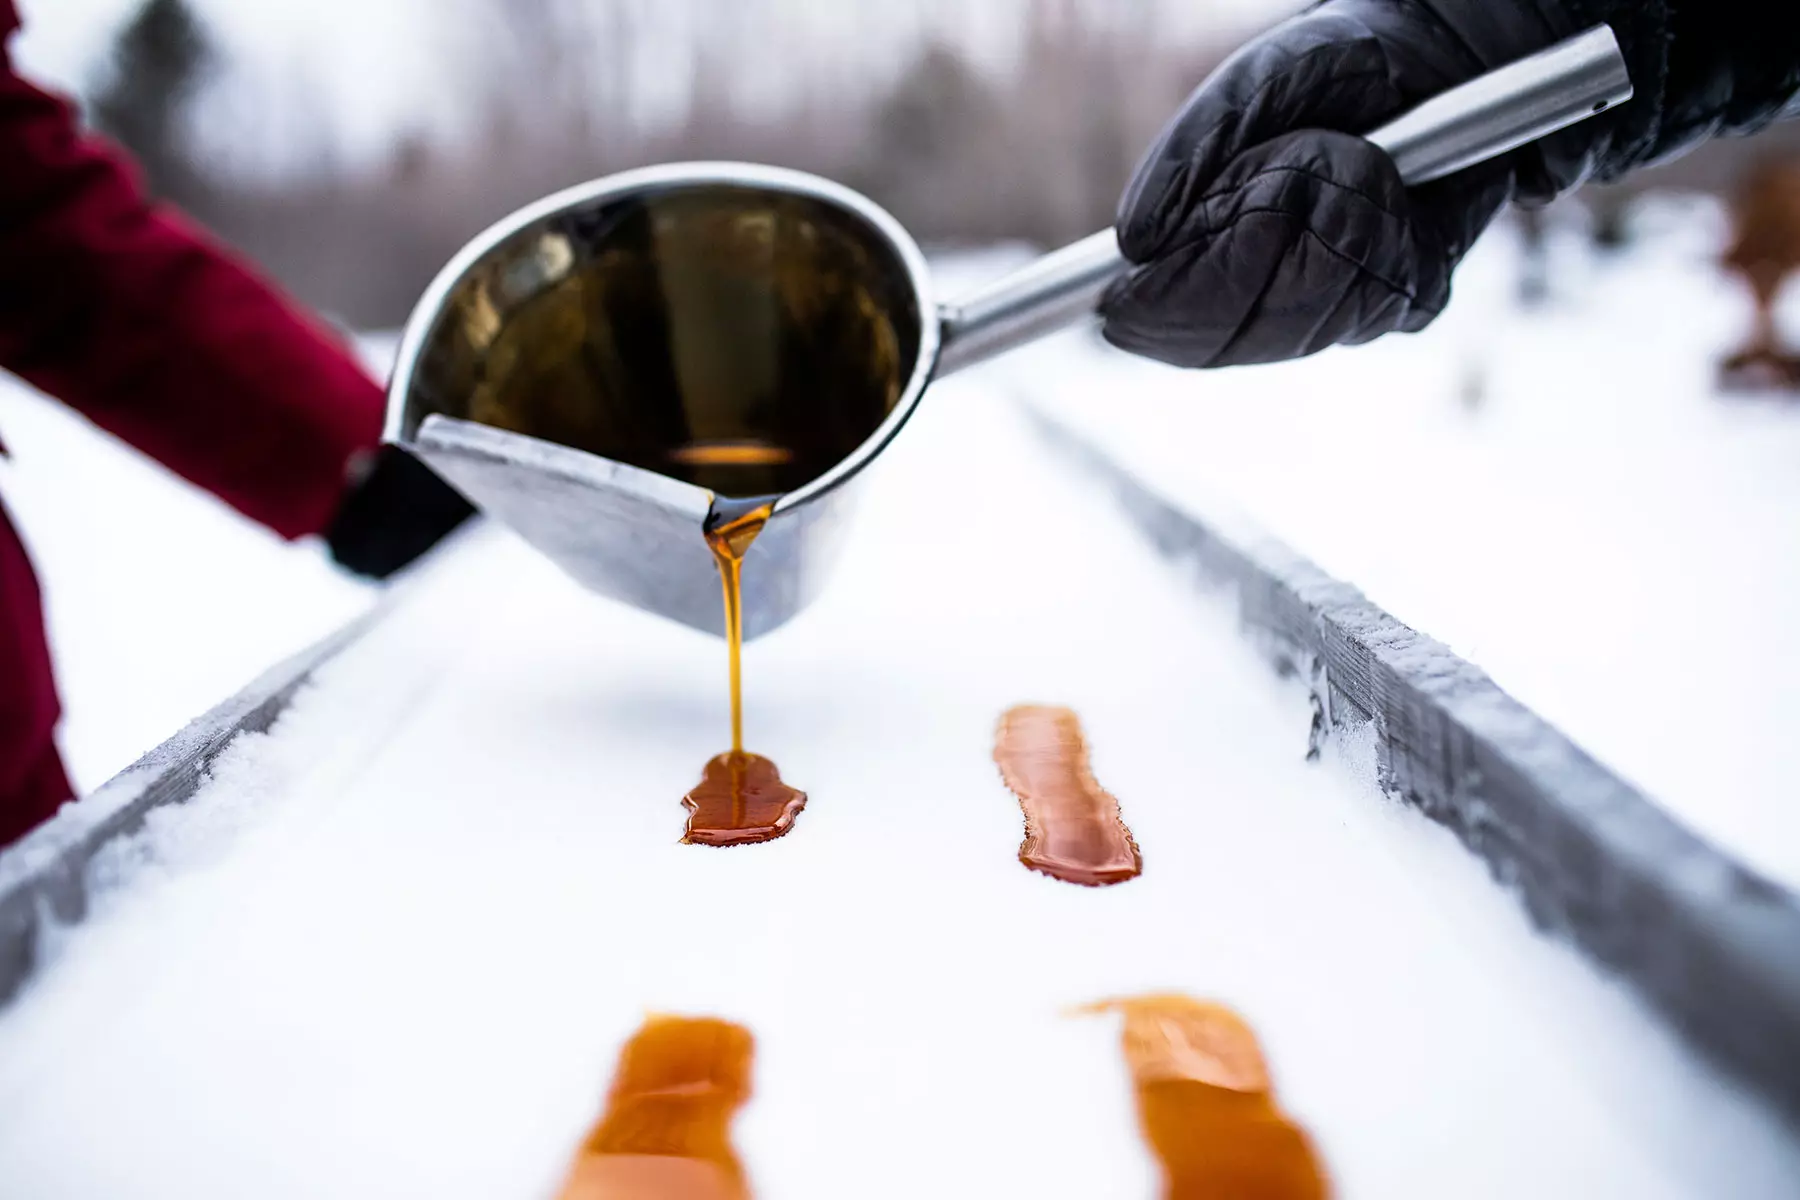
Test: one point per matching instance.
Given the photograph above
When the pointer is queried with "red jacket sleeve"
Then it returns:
(128, 314)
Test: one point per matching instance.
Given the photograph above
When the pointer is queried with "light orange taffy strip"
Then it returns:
(1073, 830)
(666, 1132)
(1207, 1106)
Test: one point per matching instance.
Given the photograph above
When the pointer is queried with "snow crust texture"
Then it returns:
(394, 946)
(1559, 494)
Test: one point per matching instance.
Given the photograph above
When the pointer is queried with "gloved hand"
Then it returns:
(1260, 234)
(392, 512)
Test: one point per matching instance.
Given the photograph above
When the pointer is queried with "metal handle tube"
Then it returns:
(1470, 123)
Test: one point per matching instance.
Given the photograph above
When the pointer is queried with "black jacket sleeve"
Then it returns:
(1732, 67)
(1700, 68)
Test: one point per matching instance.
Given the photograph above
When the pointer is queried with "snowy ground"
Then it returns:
(393, 949)
(1560, 495)
(161, 600)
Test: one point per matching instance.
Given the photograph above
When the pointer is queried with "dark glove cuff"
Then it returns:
(1611, 144)
(395, 513)
(1494, 34)
(1605, 146)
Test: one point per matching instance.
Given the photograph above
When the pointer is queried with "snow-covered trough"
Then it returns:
(45, 880)
(1714, 945)
(378, 926)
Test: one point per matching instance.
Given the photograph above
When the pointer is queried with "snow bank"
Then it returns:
(160, 599)
(1559, 495)
(433, 903)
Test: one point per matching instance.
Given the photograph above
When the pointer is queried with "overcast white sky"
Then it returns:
(359, 60)
(374, 68)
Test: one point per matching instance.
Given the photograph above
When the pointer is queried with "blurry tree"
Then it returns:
(1019, 120)
(1534, 256)
(936, 104)
(1092, 87)
(1072, 99)
(548, 72)
(159, 62)
(934, 152)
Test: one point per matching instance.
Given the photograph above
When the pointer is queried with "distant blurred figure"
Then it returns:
(127, 313)
(1765, 250)
(1534, 258)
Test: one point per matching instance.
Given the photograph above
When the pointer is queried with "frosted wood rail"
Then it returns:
(1713, 945)
(1707, 941)
(43, 878)
(1710, 943)
(1482, 119)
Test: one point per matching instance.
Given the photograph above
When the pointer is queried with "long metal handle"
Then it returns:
(1470, 123)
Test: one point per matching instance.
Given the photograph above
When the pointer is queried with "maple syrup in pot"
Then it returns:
(740, 338)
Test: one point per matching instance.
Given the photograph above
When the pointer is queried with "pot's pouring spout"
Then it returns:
(1478, 120)
(603, 369)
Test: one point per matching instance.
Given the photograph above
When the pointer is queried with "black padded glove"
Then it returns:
(396, 511)
(1260, 234)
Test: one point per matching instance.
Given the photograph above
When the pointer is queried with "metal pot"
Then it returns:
(598, 368)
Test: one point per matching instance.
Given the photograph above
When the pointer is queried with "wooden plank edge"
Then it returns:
(44, 876)
(1713, 946)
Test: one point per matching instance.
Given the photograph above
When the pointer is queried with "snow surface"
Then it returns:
(393, 948)
(161, 600)
(1560, 495)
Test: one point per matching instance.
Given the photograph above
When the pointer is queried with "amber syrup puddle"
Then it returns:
(740, 798)
(1073, 829)
(1207, 1107)
(666, 1131)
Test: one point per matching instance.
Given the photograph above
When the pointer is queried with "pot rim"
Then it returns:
(679, 177)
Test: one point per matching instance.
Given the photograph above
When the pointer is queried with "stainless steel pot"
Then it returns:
(598, 368)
